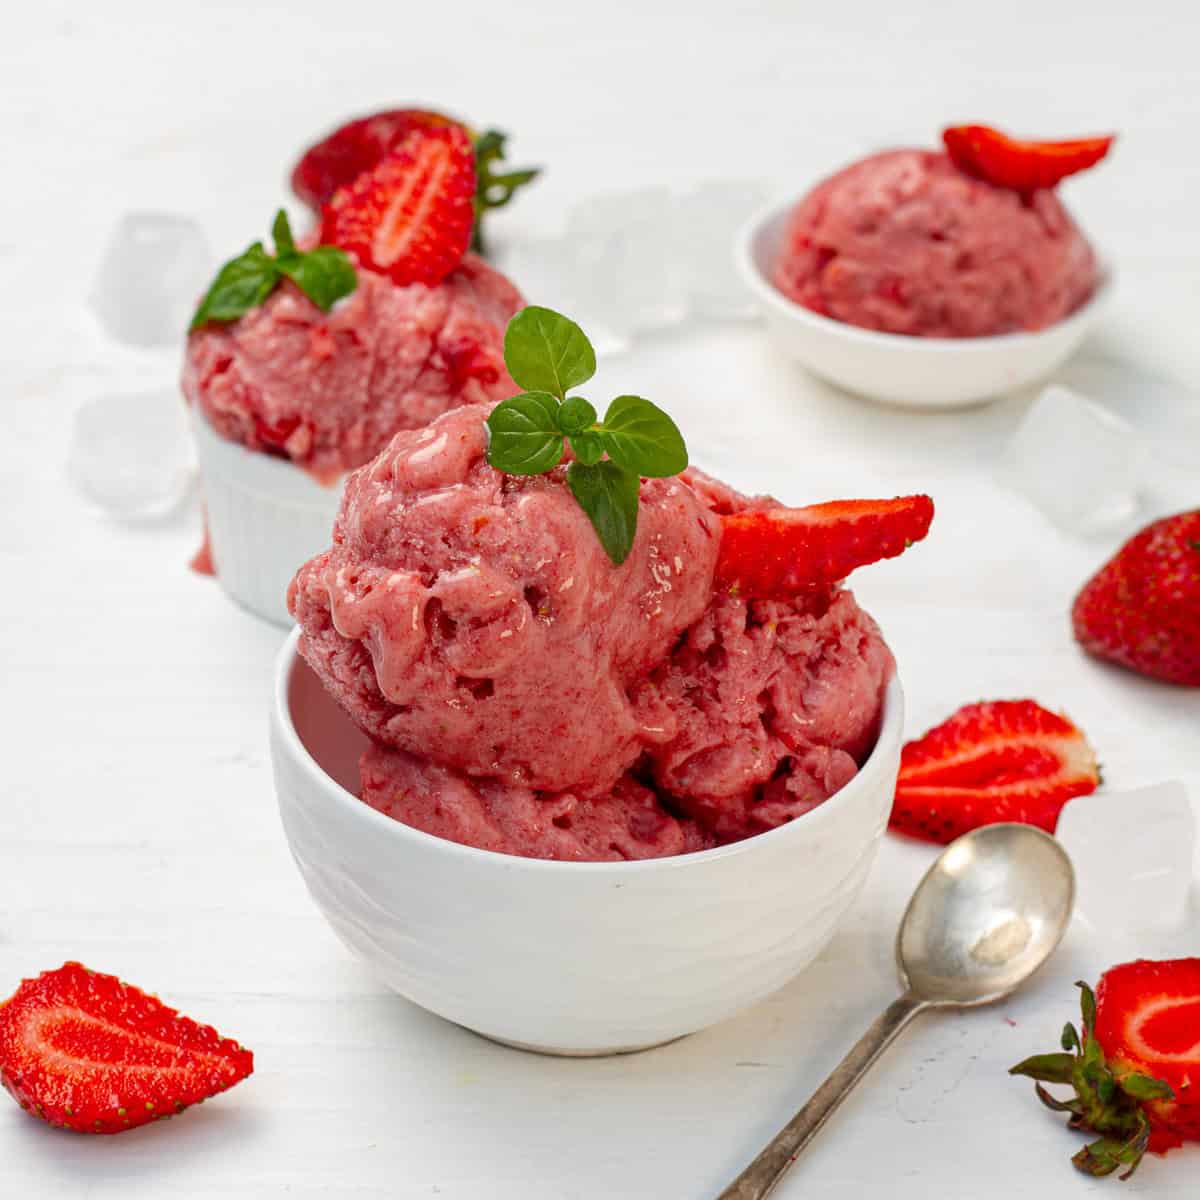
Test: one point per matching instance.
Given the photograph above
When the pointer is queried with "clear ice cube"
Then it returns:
(1133, 856)
(131, 455)
(625, 255)
(154, 269)
(710, 217)
(1081, 464)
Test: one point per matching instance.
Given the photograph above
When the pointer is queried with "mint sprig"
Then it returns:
(324, 274)
(548, 354)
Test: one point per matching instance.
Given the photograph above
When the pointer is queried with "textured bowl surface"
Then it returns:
(568, 958)
(266, 518)
(893, 368)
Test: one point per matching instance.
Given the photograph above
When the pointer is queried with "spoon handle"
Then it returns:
(758, 1180)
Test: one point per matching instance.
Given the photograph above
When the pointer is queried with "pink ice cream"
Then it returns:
(329, 390)
(906, 242)
(528, 696)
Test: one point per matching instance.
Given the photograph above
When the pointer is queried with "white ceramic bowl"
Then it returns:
(266, 518)
(566, 958)
(895, 368)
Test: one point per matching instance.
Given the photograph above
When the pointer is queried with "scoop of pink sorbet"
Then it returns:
(528, 696)
(330, 389)
(906, 242)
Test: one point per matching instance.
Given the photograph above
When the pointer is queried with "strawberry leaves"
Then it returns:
(548, 354)
(1107, 1101)
(324, 275)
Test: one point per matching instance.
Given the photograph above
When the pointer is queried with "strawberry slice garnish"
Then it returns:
(1142, 609)
(87, 1052)
(1022, 166)
(410, 217)
(1134, 1065)
(358, 146)
(1005, 760)
(778, 552)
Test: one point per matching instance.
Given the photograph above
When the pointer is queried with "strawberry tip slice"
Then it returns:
(86, 1052)
(779, 552)
(1022, 166)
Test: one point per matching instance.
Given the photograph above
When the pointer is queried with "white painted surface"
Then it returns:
(138, 831)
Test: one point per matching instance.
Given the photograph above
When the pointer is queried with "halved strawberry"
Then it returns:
(1134, 1066)
(411, 216)
(87, 1052)
(341, 157)
(782, 551)
(1004, 760)
(1022, 166)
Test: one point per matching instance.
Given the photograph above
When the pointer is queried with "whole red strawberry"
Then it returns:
(1134, 1066)
(1022, 166)
(87, 1052)
(1142, 609)
(1004, 760)
(782, 551)
(410, 216)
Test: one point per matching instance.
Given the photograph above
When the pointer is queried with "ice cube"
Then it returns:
(629, 278)
(1079, 463)
(131, 455)
(153, 272)
(1133, 857)
(711, 216)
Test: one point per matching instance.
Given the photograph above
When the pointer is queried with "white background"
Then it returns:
(137, 825)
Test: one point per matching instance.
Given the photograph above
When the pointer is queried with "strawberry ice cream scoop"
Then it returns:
(907, 242)
(328, 390)
(528, 695)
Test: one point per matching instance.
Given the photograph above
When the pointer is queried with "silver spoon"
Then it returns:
(986, 915)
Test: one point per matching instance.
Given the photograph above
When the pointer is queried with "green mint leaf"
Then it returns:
(609, 495)
(281, 231)
(588, 447)
(641, 437)
(576, 415)
(324, 274)
(547, 352)
(525, 438)
(241, 284)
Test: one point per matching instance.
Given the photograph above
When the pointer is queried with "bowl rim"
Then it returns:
(374, 822)
(768, 294)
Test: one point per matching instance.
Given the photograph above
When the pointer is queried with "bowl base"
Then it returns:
(557, 1052)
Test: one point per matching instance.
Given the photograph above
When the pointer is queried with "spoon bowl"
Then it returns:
(986, 915)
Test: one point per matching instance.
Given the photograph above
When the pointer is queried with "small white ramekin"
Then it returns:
(914, 372)
(266, 518)
(566, 958)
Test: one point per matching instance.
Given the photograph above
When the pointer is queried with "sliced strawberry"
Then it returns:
(1005, 760)
(782, 551)
(1022, 166)
(358, 146)
(87, 1052)
(411, 216)
(1142, 609)
(1148, 1020)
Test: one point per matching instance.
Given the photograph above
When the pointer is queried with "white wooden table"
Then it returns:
(138, 831)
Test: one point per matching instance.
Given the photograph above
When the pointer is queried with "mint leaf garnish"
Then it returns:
(547, 352)
(576, 415)
(525, 437)
(241, 284)
(609, 495)
(642, 438)
(324, 274)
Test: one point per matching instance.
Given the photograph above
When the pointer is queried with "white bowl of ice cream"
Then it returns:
(906, 281)
(567, 957)
(571, 803)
